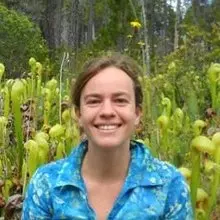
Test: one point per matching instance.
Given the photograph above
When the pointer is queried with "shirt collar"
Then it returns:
(142, 170)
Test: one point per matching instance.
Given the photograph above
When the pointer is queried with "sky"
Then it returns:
(185, 3)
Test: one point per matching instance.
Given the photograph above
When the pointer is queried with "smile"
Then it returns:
(107, 127)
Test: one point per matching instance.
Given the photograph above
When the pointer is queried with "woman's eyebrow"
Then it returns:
(97, 95)
(121, 94)
(92, 95)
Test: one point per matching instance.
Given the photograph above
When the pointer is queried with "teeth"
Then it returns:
(107, 127)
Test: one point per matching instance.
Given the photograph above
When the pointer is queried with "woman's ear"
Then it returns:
(76, 114)
(138, 112)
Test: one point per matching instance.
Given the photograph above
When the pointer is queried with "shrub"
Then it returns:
(20, 39)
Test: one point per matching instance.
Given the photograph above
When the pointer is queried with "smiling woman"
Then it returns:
(107, 111)
(108, 176)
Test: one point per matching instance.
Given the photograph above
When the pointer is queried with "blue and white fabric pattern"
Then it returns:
(152, 190)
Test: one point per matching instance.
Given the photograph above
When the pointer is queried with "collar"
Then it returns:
(143, 170)
(70, 172)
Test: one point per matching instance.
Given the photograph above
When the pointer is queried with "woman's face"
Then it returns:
(108, 113)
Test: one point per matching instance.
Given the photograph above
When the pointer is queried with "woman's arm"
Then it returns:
(37, 204)
(178, 204)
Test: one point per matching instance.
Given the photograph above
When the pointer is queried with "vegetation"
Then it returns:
(167, 128)
(20, 39)
(179, 52)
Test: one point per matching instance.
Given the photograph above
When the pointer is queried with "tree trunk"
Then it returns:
(177, 22)
(164, 26)
(91, 23)
(196, 11)
(146, 54)
(51, 22)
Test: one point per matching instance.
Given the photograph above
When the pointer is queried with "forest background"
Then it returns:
(44, 44)
(83, 28)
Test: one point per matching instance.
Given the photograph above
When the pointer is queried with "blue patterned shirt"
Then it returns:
(152, 190)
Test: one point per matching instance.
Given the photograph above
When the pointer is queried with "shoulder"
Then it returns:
(174, 187)
(45, 178)
(166, 170)
(37, 203)
(50, 174)
(163, 171)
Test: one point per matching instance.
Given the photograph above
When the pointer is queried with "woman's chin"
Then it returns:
(108, 144)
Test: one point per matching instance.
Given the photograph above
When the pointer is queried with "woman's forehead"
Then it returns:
(109, 79)
(109, 75)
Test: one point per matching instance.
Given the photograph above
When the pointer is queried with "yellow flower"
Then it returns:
(135, 24)
(129, 36)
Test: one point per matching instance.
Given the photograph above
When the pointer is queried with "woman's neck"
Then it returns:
(106, 165)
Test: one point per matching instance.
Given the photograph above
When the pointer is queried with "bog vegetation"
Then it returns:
(37, 126)
(181, 107)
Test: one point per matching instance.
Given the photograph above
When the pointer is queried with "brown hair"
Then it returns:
(94, 66)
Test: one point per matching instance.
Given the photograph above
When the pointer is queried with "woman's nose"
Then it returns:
(107, 109)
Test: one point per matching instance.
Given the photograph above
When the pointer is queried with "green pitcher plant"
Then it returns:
(199, 146)
(56, 134)
(17, 94)
(213, 77)
(215, 183)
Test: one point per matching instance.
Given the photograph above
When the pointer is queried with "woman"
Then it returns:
(108, 176)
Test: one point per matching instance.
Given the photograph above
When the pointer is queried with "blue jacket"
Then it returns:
(152, 190)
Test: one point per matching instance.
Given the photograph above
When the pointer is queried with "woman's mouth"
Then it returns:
(107, 127)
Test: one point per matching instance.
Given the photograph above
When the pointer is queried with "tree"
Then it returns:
(177, 22)
(20, 39)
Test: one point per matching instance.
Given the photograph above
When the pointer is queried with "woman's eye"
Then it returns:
(121, 101)
(92, 102)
